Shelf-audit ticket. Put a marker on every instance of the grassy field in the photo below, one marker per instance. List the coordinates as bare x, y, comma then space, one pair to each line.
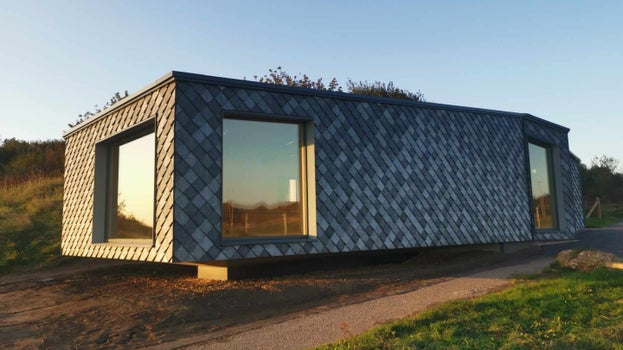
611, 213
574, 310
30, 229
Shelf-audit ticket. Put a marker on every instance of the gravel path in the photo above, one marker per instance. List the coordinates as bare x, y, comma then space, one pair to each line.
323, 325
307, 330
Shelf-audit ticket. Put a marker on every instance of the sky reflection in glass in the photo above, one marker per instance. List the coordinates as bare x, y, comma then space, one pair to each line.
261, 178
135, 188
541, 180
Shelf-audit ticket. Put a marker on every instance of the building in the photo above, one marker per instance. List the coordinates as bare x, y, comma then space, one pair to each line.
196, 168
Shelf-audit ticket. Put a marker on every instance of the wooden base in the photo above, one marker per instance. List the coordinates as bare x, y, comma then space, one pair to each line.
212, 272
615, 265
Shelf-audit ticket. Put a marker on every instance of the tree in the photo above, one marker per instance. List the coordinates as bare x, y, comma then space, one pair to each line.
281, 77
609, 164
602, 180
23, 160
96, 109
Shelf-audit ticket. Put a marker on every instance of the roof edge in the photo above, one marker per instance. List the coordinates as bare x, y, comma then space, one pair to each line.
194, 77
576, 158
127, 100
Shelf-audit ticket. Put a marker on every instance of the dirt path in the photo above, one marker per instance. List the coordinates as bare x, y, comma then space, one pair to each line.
112, 305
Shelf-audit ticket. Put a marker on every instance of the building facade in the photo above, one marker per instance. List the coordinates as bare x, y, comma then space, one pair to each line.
196, 168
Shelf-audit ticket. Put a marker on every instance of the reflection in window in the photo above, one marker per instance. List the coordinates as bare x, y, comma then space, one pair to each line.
541, 177
132, 189
262, 184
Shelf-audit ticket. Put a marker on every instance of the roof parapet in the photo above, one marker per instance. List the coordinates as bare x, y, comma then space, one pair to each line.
193, 77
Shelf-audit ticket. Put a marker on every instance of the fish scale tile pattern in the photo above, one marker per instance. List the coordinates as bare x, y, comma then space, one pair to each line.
78, 196
387, 175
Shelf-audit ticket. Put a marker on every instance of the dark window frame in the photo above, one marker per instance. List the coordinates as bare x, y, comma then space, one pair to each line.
550, 150
106, 175
307, 189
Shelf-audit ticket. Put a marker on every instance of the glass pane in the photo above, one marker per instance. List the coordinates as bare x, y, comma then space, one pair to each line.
135, 189
544, 210
261, 179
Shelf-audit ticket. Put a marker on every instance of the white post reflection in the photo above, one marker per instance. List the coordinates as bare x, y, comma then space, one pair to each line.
543, 199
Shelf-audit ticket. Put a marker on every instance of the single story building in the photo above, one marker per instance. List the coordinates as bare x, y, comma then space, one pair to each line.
202, 169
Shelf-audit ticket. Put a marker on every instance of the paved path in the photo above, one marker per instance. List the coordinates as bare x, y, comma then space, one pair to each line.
607, 239
306, 330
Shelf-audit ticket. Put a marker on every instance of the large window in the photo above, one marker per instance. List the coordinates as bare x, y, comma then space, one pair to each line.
542, 182
130, 186
264, 179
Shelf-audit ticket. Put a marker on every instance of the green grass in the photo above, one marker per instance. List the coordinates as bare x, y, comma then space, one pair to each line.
30, 224
573, 311
611, 213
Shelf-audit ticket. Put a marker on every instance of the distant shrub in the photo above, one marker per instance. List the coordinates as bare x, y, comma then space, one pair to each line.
22, 161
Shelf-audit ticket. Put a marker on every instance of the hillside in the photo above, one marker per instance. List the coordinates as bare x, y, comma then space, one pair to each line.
30, 223
22, 161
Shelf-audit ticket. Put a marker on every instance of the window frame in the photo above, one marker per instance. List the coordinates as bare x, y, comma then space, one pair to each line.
553, 179
306, 174
106, 175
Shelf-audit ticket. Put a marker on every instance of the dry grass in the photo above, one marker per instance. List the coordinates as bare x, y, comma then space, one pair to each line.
30, 232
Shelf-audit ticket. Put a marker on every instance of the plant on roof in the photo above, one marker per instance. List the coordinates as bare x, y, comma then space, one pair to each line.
281, 77
96, 109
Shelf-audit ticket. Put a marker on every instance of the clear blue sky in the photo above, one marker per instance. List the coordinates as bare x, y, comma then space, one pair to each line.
559, 60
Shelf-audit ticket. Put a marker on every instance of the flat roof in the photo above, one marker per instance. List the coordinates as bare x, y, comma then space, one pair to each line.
200, 78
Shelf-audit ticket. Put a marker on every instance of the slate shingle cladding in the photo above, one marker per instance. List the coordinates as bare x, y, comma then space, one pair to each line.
78, 194
389, 174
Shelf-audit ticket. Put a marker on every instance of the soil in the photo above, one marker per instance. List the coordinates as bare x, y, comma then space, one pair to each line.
89, 303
